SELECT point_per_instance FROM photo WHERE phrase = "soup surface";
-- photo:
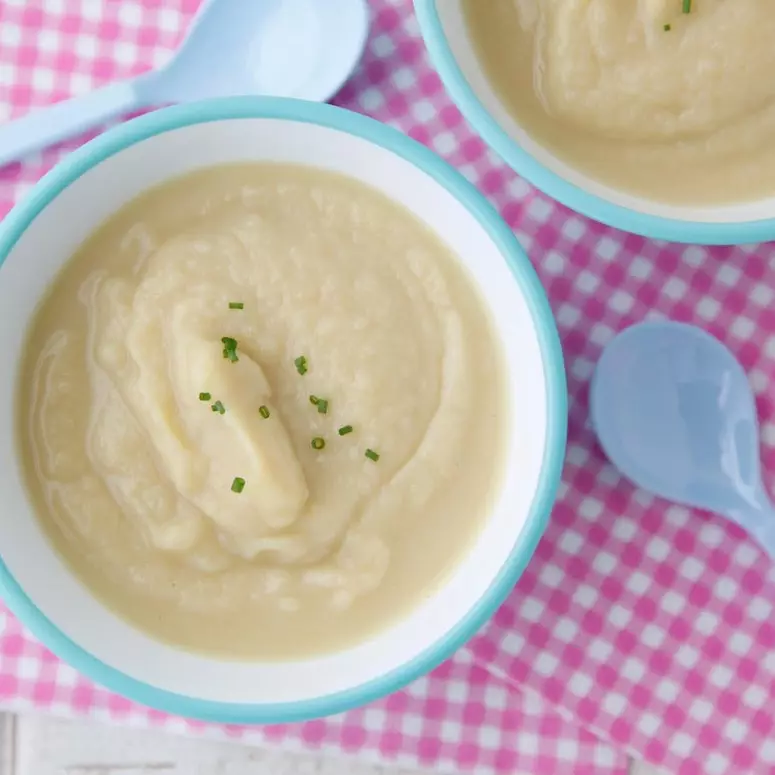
(637, 94)
(263, 412)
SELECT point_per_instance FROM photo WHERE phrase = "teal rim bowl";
(347, 129)
(443, 30)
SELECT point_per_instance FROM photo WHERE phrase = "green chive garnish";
(204, 396)
(320, 403)
(667, 28)
(230, 348)
(318, 443)
(263, 411)
(236, 305)
(345, 429)
(687, 6)
(372, 455)
(218, 407)
(301, 364)
(238, 485)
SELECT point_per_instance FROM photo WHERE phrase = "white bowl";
(72, 200)
(445, 34)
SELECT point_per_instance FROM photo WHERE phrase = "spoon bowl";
(276, 48)
(673, 411)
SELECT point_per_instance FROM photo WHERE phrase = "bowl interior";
(451, 19)
(99, 179)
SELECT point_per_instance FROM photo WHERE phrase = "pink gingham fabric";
(638, 627)
(459, 718)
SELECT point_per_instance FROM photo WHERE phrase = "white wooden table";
(36, 745)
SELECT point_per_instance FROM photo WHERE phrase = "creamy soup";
(676, 107)
(263, 412)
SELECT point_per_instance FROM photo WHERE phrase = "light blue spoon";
(283, 48)
(674, 412)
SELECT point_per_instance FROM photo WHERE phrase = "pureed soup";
(668, 99)
(263, 412)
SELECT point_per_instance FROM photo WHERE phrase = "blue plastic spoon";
(674, 412)
(283, 48)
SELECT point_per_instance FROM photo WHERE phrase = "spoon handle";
(45, 126)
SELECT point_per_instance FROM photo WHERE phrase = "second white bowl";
(444, 30)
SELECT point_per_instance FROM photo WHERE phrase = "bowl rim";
(167, 119)
(554, 185)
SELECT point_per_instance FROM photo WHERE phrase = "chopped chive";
(230, 348)
(667, 28)
(345, 429)
(263, 411)
(318, 443)
(320, 403)
(218, 407)
(372, 455)
(236, 305)
(301, 364)
(204, 396)
(687, 6)
(238, 485)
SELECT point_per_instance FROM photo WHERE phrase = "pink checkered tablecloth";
(638, 628)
